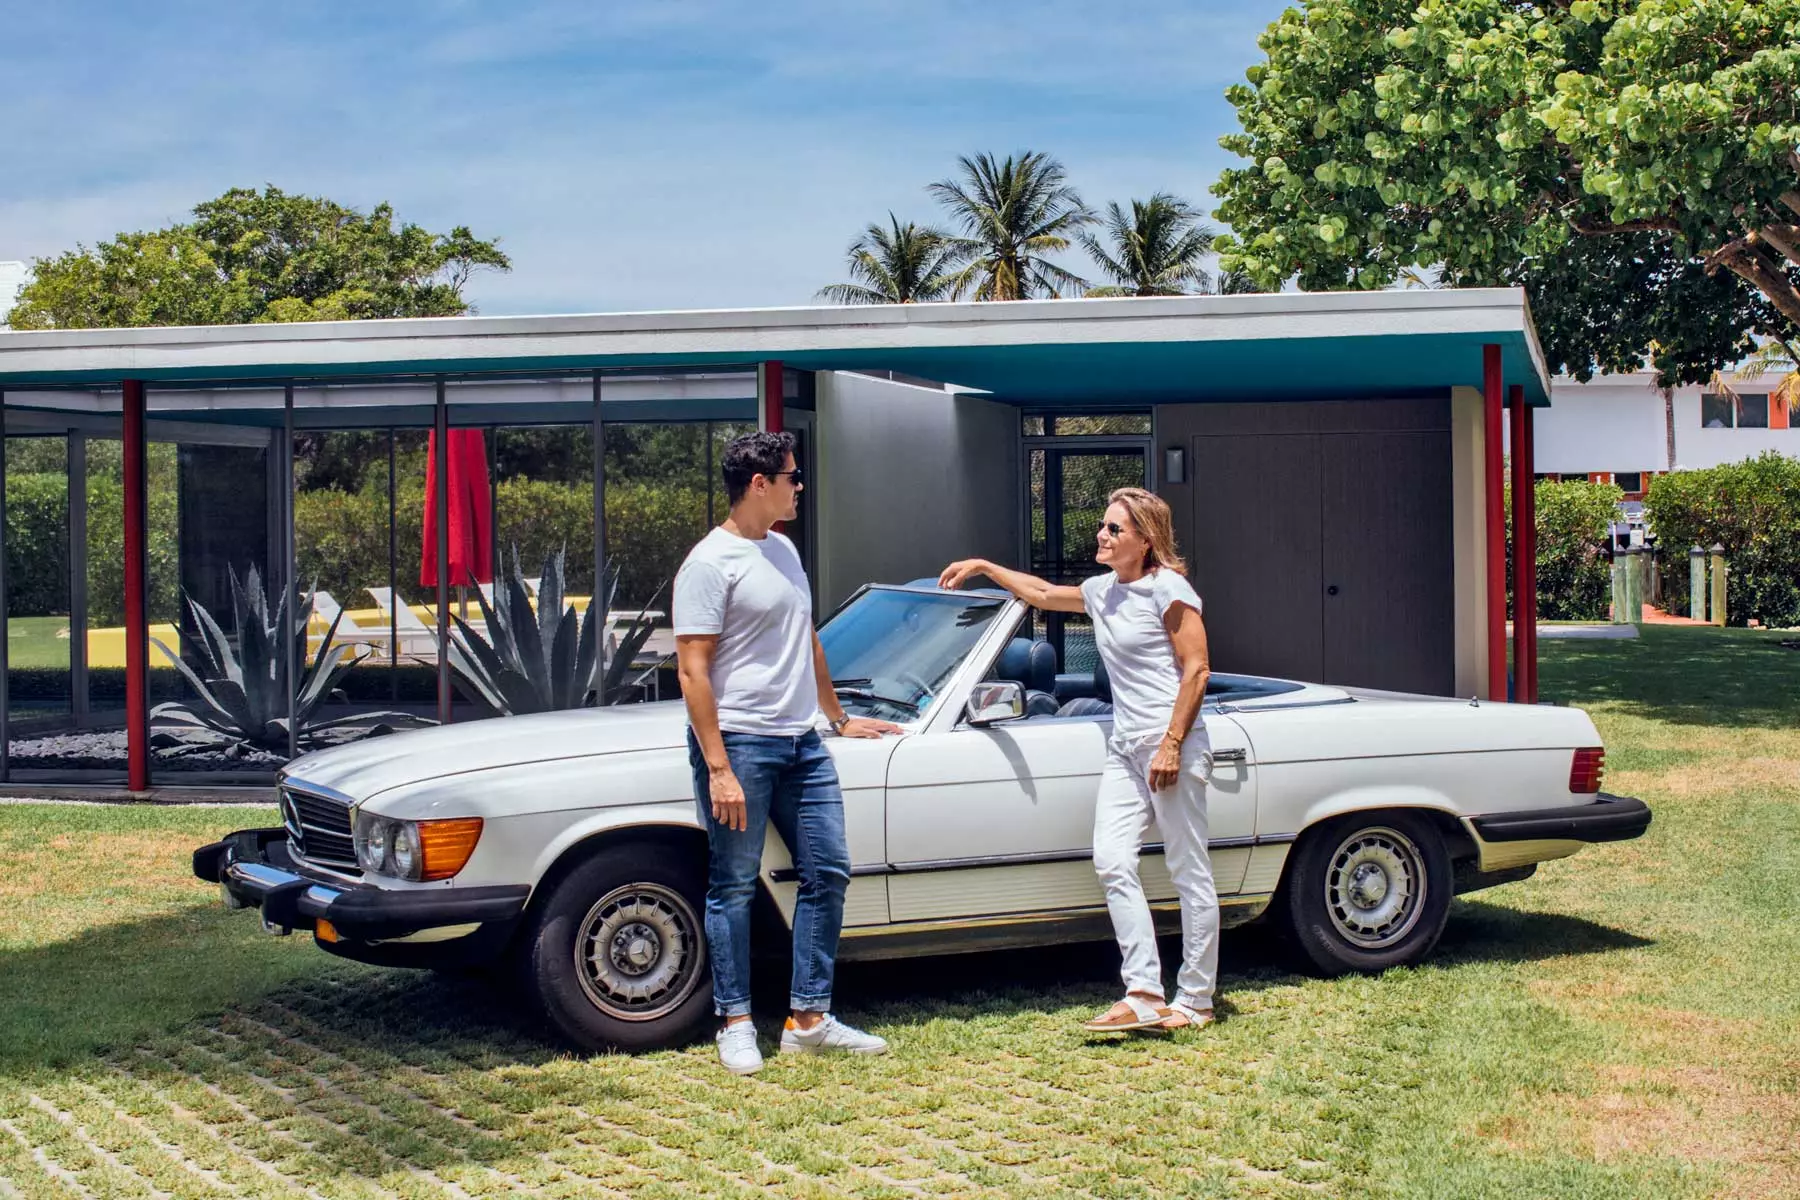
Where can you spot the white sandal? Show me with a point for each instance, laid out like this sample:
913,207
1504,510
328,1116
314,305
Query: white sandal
1186,1016
1133,1012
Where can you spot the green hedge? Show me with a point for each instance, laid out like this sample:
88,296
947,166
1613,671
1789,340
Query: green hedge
1574,578
37,535
341,538
1752,508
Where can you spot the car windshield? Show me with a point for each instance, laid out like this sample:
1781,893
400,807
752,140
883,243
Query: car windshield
891,650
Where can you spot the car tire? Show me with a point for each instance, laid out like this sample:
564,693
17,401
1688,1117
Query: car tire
616,954
1367,891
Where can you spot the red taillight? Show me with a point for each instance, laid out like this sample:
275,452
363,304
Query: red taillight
1585,770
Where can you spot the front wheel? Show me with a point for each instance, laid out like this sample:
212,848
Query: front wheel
1368,891
617,954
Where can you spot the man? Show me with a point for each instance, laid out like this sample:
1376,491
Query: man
754,678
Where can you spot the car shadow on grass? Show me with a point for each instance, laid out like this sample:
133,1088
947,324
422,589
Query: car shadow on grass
130,984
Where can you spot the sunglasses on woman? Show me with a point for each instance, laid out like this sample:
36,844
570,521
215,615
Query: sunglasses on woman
1112,527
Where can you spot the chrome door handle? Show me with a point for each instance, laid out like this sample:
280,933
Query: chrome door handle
1236,754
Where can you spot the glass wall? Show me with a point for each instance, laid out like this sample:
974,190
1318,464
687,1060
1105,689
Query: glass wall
344,637
39,681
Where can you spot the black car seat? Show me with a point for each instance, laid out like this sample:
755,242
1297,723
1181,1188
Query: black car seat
1097,705
1032,665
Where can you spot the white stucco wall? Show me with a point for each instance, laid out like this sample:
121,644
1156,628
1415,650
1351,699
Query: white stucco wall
1617,423
909,478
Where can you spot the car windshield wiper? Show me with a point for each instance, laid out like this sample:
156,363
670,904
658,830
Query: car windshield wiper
850,688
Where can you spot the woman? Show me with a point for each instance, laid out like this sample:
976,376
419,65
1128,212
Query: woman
1147,628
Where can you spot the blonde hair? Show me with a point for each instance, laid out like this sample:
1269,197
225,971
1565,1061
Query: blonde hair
1151,517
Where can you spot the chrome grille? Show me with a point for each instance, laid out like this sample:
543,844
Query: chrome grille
318,827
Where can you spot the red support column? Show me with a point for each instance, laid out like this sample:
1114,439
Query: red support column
137,628
1494,459
1531,616
769,393
1521,547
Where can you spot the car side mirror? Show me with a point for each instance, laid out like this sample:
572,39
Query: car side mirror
995,702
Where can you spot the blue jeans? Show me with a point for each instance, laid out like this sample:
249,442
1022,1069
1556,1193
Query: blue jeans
793,782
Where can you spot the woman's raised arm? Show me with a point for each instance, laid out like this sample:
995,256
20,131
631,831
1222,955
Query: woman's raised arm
1039,593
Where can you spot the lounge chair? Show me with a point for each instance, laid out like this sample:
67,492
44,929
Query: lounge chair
417,639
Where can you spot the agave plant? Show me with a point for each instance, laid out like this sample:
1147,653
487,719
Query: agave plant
548,659
243,698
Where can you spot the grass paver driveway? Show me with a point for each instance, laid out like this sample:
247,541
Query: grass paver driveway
1627,1023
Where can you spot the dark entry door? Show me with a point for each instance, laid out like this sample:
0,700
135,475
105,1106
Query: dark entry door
1254,552
1389,619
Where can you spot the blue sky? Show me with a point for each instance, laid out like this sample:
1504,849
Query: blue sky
681,154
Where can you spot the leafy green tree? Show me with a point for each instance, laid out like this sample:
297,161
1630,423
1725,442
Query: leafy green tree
259,256
899,264
1014,212
1632,163
1155,250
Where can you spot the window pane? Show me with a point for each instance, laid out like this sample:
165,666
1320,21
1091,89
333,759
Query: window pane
37,576
1629,481
1753,410
1034,426
1715,411
1100,423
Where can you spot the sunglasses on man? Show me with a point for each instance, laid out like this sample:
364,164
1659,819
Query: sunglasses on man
798,474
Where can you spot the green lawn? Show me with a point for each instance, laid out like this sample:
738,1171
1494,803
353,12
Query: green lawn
35,642
1623,1025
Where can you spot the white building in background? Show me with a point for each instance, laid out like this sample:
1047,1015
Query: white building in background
1616,428
13,276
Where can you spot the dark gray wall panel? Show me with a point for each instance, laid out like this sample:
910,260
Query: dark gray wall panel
1283,501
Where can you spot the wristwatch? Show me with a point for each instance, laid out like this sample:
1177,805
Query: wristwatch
837,726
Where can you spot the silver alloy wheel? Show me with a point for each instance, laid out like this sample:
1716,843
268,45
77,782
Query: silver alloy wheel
638,952
1375,887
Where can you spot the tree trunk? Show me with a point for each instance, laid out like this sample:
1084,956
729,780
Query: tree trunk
1669,422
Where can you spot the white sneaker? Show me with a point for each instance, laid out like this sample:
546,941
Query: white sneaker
829,1035
737,1048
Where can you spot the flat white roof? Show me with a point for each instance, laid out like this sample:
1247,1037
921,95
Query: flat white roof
1162,347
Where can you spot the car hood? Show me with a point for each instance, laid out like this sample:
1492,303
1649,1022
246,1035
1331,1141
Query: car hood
364,769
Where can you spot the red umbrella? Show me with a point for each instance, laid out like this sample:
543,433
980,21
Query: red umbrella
471,512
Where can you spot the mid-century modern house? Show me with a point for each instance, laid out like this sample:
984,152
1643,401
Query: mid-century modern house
1334,462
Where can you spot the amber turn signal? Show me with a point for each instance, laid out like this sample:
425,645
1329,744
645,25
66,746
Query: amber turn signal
445,846
325,931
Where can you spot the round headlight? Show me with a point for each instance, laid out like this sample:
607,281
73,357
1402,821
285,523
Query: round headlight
371,842
403,851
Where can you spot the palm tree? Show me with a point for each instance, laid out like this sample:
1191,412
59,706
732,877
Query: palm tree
899,265
1013,212
1153,251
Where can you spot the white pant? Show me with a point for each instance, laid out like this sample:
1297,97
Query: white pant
1121,815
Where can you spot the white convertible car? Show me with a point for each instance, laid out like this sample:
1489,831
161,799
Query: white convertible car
570,844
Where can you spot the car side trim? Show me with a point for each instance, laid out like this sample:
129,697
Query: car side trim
980,861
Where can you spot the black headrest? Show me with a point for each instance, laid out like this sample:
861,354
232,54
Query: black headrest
1043,668
1015,662
1032,664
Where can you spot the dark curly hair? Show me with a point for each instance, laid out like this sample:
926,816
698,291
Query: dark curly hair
751,455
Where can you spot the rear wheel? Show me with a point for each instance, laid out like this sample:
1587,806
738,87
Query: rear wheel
1368,891
617,953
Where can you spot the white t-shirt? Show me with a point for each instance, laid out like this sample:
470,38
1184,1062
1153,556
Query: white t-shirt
753,595
1134,644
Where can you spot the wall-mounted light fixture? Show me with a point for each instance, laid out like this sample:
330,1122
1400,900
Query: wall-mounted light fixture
1175,465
